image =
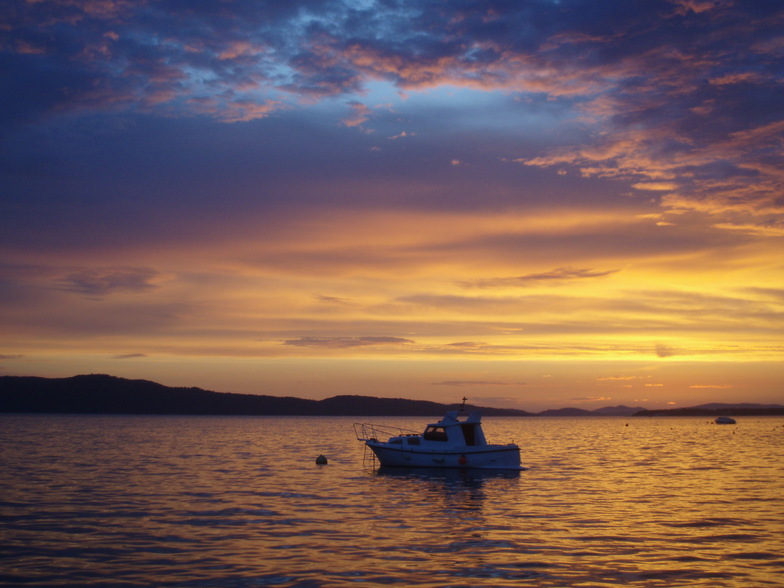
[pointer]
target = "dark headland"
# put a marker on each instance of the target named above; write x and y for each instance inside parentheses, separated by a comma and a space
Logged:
(104, 394)
(717, 409)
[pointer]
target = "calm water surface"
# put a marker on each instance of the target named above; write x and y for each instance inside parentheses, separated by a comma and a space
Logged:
(239, 501)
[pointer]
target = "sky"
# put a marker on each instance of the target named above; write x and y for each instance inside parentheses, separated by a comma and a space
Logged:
(534, 204)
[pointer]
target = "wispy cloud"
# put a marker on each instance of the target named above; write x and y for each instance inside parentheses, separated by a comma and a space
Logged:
(332, 299)
(104, 281)
(346, 342)
(360, 114)
(556, 275)
(459, 383)
(663, 350)
(620, 378)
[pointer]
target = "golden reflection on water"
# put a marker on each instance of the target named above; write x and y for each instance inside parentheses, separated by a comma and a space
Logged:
(240, 502)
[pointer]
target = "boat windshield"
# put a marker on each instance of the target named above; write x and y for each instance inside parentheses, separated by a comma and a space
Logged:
(469, 433)
(435, 434)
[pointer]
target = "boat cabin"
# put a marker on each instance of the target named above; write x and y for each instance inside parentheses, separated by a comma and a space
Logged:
(449, 431)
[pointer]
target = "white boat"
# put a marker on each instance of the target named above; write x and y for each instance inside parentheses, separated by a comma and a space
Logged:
(725, 421)
(449, 443)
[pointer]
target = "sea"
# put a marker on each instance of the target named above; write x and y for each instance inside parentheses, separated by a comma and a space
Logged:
(183, 501)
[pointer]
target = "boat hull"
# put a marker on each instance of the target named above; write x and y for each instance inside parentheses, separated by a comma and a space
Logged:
(498, 457)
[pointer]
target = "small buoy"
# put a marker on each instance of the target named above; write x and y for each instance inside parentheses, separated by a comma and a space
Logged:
(462, 460)
(321, 460)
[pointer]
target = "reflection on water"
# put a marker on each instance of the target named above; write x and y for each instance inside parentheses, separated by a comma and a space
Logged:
(199, 501)
(461, 477)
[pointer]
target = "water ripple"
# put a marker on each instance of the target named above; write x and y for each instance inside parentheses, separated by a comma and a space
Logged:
(190, 502)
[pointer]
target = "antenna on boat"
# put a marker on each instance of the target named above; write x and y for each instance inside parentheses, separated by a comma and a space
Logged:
(462, 406)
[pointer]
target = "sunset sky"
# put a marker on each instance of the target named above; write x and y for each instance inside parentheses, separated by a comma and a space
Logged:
(534, 203)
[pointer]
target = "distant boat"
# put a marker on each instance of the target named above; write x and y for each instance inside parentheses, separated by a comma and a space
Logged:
(449, 443)
(725, 421)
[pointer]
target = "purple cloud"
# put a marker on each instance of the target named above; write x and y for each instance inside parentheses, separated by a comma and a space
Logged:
(346, 342)
(104, 281)
(556, 275)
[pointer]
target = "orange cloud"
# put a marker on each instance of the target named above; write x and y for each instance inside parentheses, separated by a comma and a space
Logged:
(360, 114)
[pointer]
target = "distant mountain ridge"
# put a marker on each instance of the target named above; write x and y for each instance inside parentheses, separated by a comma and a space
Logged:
(619, 410)
(104, 394)
(741, 405)
(715, 409)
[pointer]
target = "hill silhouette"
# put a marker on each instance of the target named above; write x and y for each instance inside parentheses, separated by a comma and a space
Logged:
(103, 394)
(716, 409)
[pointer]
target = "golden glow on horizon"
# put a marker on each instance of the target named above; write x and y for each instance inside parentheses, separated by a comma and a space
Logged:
(400, 290)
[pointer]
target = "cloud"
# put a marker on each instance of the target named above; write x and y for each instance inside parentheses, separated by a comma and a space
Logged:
(772, 294)
(556, 275)
(647, 103)
(129, 356)
(621, 378)
(664, 351)
(105, 281)
(465, 345)
(769, 228)
(235, 109)
(346, 342)
(332, 299)
(737, 173)
(459, 383)
(704, 309)
(717, 386)
(401, 135)
(699, 6)
(655, 186)
(360, 114)
(256, 49)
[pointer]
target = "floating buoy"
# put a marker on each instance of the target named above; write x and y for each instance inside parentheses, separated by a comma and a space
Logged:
(321, 460)
(462, 460)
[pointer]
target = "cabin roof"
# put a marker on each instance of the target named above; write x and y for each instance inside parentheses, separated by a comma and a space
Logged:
(451, 419)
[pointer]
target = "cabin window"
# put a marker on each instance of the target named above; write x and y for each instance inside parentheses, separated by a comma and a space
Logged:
(435, 434)
(469, 433)
(396, 441)
(413, 441)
